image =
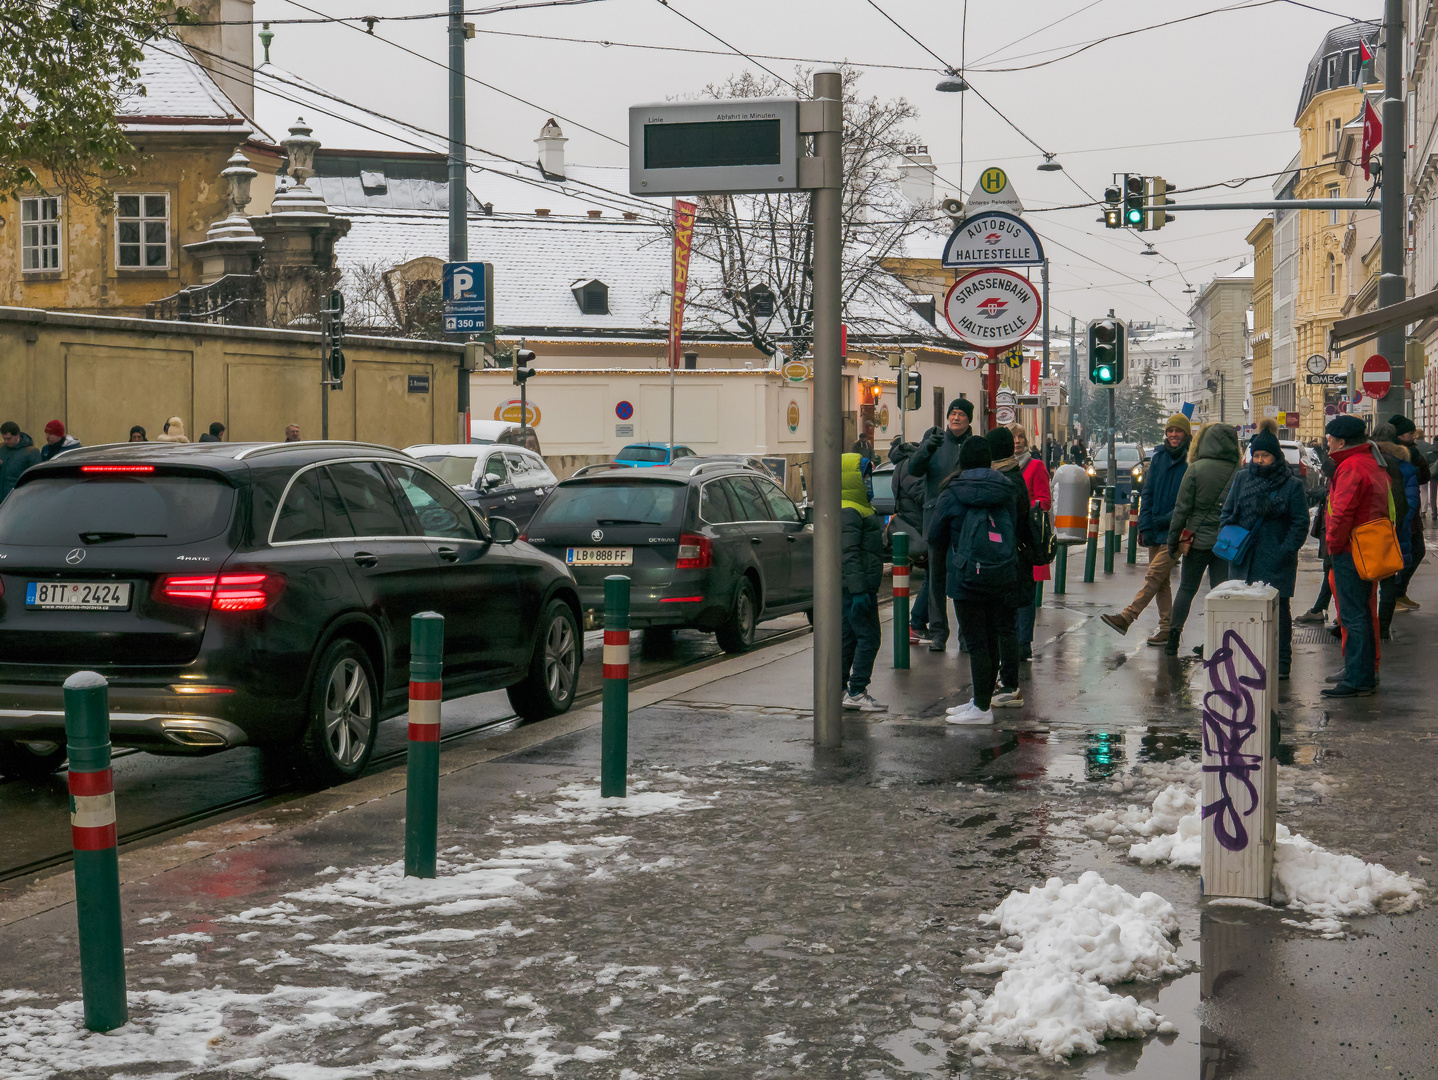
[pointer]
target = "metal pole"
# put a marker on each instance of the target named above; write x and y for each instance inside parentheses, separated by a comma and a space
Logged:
(1061, 570)
(673, 344)
(1392, 287)
(828, 414)
(901, 601)
(1108, 536)
(1043, 431)
(458, 196)
(1133, 528)
(324, 372)
(97, 863)
(614, 730)
(1090, 556)
(1075, 387)
(421, 792)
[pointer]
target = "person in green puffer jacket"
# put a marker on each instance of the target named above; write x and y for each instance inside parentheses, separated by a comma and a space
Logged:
(1212, 462)
(861, 548)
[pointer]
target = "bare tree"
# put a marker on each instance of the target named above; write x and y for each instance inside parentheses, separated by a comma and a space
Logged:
(761, 247)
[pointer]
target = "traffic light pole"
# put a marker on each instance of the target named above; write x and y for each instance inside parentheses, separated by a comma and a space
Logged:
(458, 201)
(1392, 287)
(324, 373)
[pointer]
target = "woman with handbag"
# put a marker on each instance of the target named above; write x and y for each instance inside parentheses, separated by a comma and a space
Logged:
(1193, 528)
(1036, 479)
(1264, 523)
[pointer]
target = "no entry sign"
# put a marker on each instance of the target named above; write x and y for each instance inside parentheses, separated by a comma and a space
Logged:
(1377, 376)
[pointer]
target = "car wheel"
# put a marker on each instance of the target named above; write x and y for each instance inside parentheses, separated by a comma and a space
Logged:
(737, 633)
(31, 760)
(553, 678)
(339, 737)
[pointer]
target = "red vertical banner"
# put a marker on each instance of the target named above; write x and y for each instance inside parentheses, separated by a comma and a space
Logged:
(1034, 375)
(683, 243)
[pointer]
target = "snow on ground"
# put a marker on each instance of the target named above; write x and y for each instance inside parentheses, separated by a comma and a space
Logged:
(581, 803)
(1065, 944)
(1306, 877)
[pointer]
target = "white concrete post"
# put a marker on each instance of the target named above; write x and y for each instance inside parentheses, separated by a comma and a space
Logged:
(1239, 800)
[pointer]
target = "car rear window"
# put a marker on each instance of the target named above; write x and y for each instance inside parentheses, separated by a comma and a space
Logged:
(119, 510)
(454, 471)
(609, 503)
(643, 453)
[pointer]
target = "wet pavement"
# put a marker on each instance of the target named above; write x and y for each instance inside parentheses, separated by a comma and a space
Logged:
(760, 908)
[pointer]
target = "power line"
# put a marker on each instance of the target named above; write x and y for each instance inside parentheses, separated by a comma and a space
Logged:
(387, 18)
(1040, 30)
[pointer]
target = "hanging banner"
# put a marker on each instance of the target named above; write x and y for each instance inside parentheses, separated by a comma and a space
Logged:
(683, 244)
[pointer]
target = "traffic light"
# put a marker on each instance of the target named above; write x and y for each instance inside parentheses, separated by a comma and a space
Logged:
(1106, 346)
(1134, 190)
(913, 391)
(1158, 196)
(1113, 208)
(333, 331)
(522, 359)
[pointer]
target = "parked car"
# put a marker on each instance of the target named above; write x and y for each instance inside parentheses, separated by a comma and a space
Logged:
(648, 454)
(748, 461)
(1302, 463)
(238, 593)
(488, 431)
(496, 479)
(715, 547)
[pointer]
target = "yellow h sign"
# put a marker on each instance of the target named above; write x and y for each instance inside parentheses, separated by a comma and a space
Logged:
(994, 181)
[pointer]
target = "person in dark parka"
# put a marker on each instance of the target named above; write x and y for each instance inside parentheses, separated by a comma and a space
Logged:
(1001, 446)
(861, 549)
(910, 492)
(936, 460)
(1268, 501)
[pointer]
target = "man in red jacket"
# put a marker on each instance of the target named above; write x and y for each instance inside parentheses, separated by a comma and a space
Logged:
(1357, 493)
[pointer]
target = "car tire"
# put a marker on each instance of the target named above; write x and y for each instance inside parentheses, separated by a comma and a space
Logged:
(553, 678)
(31, 760)
(343, 711)
(737, 633)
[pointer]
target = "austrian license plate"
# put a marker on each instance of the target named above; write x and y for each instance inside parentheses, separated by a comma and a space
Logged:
(600, 556)
(78, 595)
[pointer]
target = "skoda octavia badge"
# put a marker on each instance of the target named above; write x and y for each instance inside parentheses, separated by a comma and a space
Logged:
(76, 555)
(596, 536)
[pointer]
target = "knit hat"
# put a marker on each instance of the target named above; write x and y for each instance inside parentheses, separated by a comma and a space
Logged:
(975, 454)
(1267, 441)
(1402, 425)
(964, 405)
(54, 427)
(1178, 420)
(1347, 428)
(1001, 443)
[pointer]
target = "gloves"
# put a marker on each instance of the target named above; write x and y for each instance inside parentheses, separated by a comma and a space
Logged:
(934, 439)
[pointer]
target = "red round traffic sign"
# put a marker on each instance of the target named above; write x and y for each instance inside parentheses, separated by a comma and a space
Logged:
(1377, 376)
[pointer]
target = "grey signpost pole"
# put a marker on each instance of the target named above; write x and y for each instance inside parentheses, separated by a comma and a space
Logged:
(1040, 448)
(828, 406)
(1392, 287)
(458, 238)
(1074, 387)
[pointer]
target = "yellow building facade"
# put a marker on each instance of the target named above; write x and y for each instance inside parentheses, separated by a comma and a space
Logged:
(1261, 340)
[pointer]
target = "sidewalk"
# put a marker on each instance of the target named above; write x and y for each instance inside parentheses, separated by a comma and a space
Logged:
(757, 908)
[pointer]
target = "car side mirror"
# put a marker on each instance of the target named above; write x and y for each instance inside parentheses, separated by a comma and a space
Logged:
(807, 513)
(488, 481)
(502, 530)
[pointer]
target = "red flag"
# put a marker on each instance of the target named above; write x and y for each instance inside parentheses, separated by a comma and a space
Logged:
(683, 242)
(1364, 51)
(1372, 133)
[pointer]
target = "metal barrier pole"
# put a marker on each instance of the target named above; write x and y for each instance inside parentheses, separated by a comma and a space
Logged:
(1090, 558)
(1133, 529)
(1061, 570)
(421, 793)
(97, 860)
(901, 601)
(1108, 536)
(614, 733)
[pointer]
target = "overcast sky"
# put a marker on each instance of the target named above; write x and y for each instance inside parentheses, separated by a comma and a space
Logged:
(1201, 102)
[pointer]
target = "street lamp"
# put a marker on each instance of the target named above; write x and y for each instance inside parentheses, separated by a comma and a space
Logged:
(952, 83)
(1049, 164)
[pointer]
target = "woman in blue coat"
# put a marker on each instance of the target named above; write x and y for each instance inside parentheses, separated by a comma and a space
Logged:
(1268, 501)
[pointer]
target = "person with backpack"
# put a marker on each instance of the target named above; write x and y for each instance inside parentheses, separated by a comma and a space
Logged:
(1407, 438)
(1036, 480)
(936, 460)
(1161, 481)
(861, 548)
(1403, 479)
(979, 526)
(1212, 461)
(1006, 464)
(909, 493)
(1268, 507)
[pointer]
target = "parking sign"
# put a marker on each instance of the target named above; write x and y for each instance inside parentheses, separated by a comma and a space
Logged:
(468, 297)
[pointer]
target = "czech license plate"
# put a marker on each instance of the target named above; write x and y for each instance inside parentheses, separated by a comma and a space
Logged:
(78, 595)
(600, 556)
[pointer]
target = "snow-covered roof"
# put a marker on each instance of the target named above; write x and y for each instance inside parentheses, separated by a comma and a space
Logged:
(180, 96)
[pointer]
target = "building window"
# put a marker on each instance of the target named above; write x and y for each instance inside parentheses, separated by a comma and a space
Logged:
(592, 296)
(40, 233)
(1332, 275)
(1333, 214)
(142, 232)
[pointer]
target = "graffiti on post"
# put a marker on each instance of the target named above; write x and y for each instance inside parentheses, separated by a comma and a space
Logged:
(1228, 721)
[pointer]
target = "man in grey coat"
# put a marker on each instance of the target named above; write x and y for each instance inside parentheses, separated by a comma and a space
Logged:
(936, 459)
(17, 453)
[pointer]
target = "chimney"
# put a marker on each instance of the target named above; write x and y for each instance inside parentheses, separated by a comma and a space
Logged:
(916, 175)
(551, 150)
(225, 46)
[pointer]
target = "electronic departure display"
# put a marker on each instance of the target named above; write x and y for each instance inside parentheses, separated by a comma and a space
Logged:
(717, 144)
(732, 147)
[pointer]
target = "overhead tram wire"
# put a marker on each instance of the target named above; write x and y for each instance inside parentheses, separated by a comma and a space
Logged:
(1035, 33)
(440, 63)
(492, 10)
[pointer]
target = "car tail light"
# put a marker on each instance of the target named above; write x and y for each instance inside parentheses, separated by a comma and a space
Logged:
(117, 468)
(1302, 471)
(222, 592)
(696, 552)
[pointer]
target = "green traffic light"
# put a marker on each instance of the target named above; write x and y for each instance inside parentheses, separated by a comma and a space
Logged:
(1135, 216)
(1105, 374)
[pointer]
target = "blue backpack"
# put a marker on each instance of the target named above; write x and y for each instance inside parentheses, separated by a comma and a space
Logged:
(985, 551)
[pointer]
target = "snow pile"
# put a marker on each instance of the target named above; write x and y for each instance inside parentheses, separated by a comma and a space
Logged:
(581, 803)
(1065, 945)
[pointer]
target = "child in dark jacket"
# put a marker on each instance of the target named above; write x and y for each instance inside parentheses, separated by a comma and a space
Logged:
(862, 552)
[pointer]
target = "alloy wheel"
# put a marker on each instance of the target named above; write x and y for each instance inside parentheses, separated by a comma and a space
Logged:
(559, 659)
(349, 712)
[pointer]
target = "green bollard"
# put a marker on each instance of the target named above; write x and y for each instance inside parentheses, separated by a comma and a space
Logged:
(421, 794)
(1061, 570)
(614, 734)
(1108, 537)
(97, 859)
(1038, 594)
(901, 601)
(1133, 529)
(1090, 558)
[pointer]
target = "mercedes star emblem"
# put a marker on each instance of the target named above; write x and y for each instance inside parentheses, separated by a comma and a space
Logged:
(76, 555)
(596, 535)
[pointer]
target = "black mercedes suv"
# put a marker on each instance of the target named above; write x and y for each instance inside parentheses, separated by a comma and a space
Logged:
(261, 593)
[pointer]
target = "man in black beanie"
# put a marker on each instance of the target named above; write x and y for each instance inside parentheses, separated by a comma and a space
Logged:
(936, 459)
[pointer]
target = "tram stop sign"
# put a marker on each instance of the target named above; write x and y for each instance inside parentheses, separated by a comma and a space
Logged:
(1377, 376)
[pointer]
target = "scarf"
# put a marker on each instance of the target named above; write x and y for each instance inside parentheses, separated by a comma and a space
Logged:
(1259, 498)
(1005, 464)
(1024, 459)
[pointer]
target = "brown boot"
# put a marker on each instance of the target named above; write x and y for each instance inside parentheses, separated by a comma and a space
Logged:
(1117, 622)
(1160, 636)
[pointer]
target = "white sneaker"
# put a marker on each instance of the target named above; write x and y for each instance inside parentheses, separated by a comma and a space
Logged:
(972, 715)
(864, 703)
(1009, 699)
(965, 707)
